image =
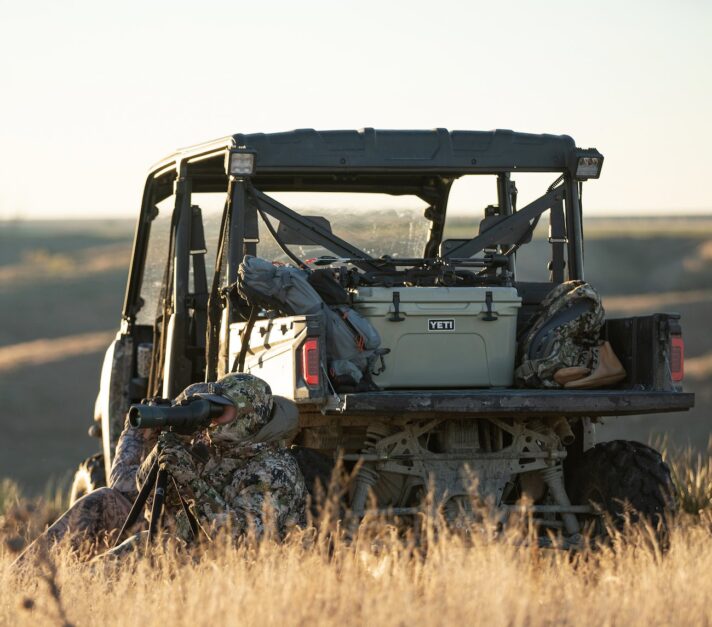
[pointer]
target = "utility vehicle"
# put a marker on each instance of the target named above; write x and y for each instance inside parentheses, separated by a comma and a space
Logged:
(434, 233)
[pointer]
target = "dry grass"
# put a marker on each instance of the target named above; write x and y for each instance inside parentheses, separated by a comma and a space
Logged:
(383, 582)
(23, 519)
(692, 474)
(384, 577)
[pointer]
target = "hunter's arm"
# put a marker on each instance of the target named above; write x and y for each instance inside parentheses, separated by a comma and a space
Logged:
(131, 450)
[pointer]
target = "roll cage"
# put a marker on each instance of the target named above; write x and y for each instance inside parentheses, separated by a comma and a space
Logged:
(418, 163)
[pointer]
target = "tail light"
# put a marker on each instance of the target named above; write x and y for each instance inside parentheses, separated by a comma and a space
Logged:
(677, 358)
(311, 361)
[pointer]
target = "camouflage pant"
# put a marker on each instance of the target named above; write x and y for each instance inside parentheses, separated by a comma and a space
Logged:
(91, 522)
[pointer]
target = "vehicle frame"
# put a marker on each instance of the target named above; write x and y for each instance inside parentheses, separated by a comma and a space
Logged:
(190, 337)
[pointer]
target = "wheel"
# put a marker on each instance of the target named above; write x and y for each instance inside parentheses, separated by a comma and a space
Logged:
(89, 476)
(620, 478)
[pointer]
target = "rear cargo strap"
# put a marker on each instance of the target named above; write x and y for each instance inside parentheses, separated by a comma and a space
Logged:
(239, 365)
(285, 249)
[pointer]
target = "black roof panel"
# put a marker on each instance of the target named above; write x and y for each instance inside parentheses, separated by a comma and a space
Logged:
(438, 149)
(371, 150)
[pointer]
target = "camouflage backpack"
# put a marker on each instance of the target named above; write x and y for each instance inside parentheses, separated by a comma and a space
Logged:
(561, 335)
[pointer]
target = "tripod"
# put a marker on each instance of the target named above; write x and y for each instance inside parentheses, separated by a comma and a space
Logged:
(157, 478)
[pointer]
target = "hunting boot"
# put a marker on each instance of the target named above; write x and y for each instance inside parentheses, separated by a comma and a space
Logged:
(608, 371)
(565, 375)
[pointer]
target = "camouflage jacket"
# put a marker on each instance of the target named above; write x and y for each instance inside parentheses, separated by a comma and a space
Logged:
(229, 485)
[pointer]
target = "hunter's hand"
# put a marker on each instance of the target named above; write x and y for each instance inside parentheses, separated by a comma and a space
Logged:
(228, 415)
(173, 454)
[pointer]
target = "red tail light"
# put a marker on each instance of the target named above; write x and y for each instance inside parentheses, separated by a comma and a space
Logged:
(677, 358)
(311, 361)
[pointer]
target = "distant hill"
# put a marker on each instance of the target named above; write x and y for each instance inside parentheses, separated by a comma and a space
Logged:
(63, 282)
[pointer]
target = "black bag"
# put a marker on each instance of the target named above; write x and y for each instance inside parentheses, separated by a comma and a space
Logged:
(328, 287)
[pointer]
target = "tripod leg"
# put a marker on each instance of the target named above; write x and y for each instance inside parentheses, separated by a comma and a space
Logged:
(159, 497)
(192, 520)
(140, 501)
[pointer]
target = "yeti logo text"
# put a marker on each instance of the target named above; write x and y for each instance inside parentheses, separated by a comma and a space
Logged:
(446, 324)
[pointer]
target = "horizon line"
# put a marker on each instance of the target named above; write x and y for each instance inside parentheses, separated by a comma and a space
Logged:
(588, 213)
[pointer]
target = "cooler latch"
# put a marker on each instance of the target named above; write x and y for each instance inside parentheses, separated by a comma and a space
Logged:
(489, 315)
(395, 315)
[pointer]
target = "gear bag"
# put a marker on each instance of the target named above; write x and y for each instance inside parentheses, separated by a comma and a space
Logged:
(352, 343)
(281, 288)
(352, 346)
(562, 335)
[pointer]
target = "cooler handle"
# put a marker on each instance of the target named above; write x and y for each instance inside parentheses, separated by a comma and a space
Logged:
(395, 316)
(489, 315)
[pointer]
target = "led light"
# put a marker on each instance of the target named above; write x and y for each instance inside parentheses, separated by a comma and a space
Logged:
(242, 163)
(588, 167)
(311, 361)
(677, 358)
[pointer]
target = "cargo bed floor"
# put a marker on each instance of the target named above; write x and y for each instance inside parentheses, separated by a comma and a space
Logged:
(507, 402)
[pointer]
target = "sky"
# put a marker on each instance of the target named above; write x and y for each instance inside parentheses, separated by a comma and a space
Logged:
(92, 93)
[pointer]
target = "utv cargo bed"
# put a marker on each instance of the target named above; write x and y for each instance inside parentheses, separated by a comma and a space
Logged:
(507, 402)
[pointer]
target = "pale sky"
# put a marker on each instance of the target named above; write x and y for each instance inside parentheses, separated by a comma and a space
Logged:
(93, 92)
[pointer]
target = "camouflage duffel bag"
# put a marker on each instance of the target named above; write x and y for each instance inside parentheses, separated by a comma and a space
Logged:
(562, 335)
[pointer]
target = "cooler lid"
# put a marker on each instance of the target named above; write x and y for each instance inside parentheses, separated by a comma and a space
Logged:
(436, 294)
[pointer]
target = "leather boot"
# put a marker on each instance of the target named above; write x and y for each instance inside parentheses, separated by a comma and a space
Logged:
(573, 373)
(609, 371)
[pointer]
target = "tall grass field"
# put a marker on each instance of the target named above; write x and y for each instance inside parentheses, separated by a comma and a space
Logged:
(381, 575)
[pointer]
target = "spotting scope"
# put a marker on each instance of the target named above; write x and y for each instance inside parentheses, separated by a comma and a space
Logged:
(189, 416)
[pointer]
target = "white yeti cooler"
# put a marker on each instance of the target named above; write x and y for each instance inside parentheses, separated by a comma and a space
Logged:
(443, 337)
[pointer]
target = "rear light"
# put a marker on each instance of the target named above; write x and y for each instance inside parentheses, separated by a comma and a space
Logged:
(677, 358)
(311, 361)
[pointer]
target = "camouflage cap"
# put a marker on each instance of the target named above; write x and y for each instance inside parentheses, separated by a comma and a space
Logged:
(251, 397)
(197, 389)
(209, 391)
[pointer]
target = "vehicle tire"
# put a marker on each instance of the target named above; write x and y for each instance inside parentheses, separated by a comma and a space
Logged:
(624, 478)
(89, 476)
